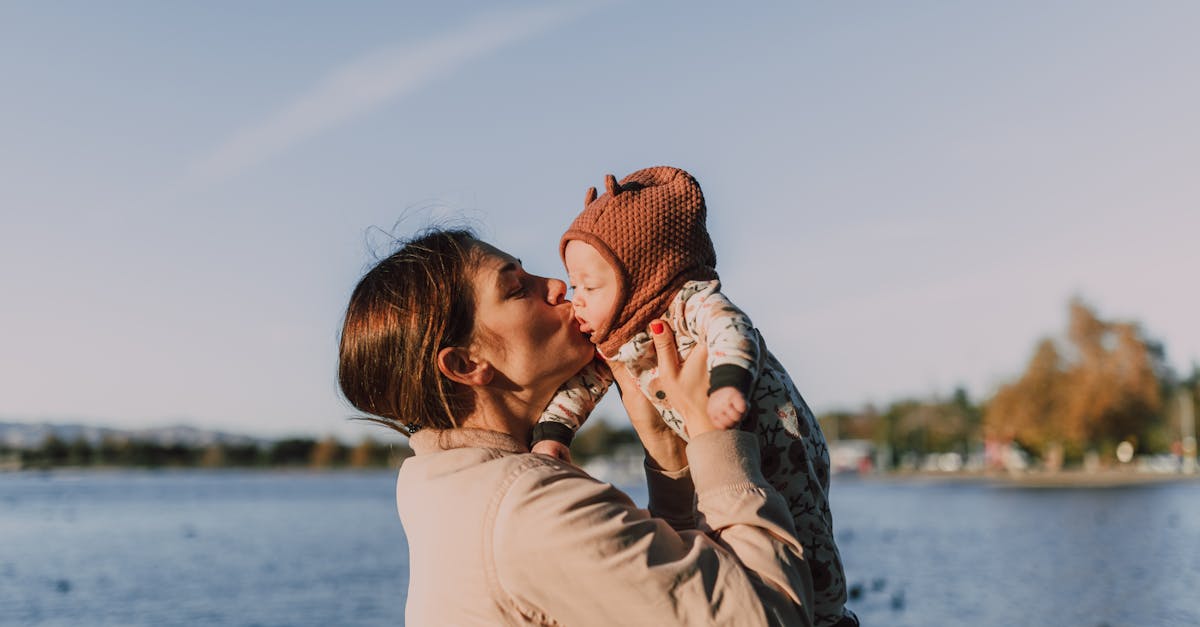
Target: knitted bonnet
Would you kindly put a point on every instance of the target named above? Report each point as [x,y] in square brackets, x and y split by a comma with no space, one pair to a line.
[650,228]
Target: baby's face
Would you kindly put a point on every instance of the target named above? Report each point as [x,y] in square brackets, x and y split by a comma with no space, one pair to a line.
[594,284]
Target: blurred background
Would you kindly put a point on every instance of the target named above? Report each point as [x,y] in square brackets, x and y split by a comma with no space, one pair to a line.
[968,230]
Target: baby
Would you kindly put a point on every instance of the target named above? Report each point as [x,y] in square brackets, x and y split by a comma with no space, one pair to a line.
[641,252]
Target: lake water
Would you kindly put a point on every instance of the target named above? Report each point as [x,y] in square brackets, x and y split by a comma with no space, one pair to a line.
[969,554]
[274,548]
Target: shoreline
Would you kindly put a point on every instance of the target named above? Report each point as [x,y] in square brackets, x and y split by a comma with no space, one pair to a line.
[1034,480]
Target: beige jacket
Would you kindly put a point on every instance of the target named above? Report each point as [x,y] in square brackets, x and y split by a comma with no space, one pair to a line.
[500,536]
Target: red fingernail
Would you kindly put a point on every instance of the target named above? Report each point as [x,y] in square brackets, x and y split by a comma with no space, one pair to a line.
[656,327]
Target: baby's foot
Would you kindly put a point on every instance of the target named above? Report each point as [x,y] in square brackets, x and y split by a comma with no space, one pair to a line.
[554,449]
[726,406]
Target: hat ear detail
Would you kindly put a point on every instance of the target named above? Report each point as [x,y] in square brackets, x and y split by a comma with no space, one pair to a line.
[591,196]
[610,183]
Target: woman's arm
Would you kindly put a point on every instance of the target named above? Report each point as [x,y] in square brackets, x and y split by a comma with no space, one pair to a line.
[570,549]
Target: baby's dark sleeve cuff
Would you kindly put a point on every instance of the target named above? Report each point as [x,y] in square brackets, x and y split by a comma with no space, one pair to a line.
[550,430]
[730,375]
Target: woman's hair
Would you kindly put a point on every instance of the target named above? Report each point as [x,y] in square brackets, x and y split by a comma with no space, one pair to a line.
[408,307]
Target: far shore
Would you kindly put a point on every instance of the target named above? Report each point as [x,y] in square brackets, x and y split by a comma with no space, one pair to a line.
[1074,478]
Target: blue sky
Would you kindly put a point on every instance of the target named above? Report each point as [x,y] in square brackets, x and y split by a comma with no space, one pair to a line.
[903,197]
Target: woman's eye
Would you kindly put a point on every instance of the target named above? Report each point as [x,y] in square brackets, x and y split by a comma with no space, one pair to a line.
[518,292]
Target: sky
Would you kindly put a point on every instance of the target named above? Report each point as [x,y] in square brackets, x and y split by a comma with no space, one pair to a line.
[903,196]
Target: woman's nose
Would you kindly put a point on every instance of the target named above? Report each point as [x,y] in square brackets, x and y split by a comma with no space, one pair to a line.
[556,291]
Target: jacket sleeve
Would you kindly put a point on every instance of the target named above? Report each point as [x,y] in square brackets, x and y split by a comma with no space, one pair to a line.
[575,399]
[569,549]
[672,496]
[733,343]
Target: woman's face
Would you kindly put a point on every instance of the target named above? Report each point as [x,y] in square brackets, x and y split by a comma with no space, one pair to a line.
[524,326]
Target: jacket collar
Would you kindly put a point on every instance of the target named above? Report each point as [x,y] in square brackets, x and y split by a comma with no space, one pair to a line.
[434,440]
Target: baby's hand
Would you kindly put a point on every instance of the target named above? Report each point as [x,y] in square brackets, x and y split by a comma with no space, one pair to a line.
[726,406]
[553,448]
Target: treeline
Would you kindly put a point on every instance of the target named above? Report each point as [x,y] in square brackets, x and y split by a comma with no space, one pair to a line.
[599,439]
[1101,383]
[288,453]
[912,428]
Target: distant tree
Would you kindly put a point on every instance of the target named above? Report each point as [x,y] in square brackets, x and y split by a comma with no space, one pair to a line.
[370,453]
[54,452]
[907,426]
[1192,380]
[242,455]
[598,438]
[363,455]
[1030,410]
[113,451]
[327,453]
[848,425]
[971,413]
[928,427]
[151,454]
[910,426]
[291,452]
[213,456]
[1113,389]
[1104,386]
[80,452]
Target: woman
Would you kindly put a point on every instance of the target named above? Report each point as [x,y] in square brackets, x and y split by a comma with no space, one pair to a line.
[449,339]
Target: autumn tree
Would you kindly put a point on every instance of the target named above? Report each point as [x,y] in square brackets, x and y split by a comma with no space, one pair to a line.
[1029,410]
[1101,386]
[213,456]
[327,453]
[369,453]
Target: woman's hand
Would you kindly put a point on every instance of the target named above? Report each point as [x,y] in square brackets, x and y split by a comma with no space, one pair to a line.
[686,385]
[683,386]
[664,448]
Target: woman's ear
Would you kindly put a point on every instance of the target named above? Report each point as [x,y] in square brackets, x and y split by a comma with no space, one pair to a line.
[459,366]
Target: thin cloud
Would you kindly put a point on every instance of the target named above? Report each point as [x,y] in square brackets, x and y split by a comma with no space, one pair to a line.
[369,83]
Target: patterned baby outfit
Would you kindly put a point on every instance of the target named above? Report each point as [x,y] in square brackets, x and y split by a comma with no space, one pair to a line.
[650,228]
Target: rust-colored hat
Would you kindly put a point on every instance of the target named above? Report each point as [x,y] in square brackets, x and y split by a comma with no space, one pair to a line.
[650,228]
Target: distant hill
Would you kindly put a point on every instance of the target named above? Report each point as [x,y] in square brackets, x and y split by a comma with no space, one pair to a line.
[20,435]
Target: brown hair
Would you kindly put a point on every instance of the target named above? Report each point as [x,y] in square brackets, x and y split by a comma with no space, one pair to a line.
[406,308]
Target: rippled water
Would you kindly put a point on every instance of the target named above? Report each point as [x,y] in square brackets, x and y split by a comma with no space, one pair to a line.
[966,554]
[190,548]
[234,548]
